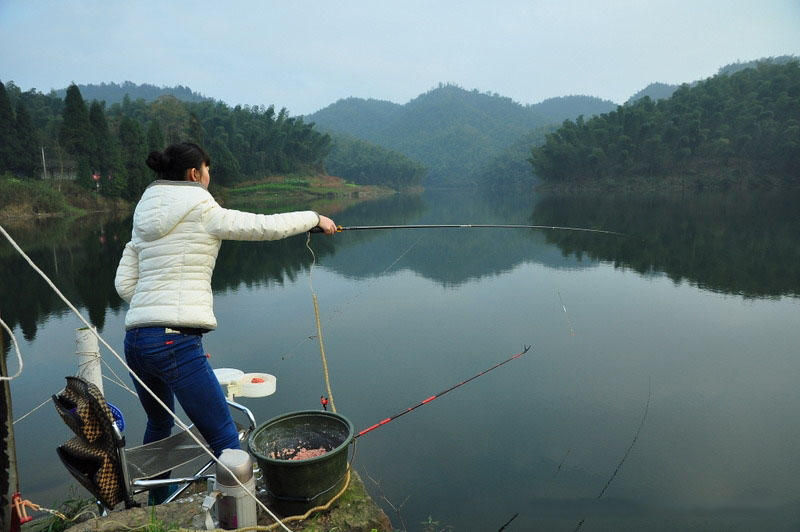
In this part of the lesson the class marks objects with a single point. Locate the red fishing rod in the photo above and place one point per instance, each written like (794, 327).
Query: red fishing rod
(432, 397)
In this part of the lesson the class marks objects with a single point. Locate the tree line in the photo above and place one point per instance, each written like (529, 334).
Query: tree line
(360, 162)
(112, 93)
(746, 123)
(87, 139)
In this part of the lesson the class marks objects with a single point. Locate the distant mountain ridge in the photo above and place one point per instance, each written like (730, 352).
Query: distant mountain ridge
(112, 93)
(661, 91)
(451, 130)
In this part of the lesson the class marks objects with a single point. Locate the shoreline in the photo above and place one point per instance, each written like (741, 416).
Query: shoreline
(668, 184)
(40, 201)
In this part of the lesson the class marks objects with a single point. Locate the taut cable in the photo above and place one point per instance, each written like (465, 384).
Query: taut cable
(100, 339)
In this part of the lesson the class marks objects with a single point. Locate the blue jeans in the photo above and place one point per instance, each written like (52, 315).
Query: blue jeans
(174, 365)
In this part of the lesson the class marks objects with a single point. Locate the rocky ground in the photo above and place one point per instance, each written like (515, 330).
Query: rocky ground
(353, 511)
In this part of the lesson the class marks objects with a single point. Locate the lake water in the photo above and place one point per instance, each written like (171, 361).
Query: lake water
(693, 318)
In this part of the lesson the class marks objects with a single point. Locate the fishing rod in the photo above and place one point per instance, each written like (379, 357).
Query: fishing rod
(340, 228)
(432, 397)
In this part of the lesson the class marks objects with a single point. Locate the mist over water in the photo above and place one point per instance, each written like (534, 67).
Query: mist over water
(697, 305)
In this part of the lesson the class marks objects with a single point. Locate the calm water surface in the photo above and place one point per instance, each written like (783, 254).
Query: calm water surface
(696, 309)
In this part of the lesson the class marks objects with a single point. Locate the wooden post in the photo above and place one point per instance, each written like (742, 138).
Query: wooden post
(88, 354)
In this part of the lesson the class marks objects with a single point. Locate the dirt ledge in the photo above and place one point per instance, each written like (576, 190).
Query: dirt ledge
(354, 511)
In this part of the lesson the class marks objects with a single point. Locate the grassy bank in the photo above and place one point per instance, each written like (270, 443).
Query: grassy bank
(23, 200)
(322, 193)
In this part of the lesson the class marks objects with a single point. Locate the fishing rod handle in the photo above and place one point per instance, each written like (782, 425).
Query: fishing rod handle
(318, 229)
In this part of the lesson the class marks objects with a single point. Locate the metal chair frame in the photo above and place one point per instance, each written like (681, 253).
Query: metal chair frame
(133, 487)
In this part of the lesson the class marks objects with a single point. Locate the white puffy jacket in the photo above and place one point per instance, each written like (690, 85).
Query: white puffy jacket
(165, 270)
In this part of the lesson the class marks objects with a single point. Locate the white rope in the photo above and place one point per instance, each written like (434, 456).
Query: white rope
(120, 384)
(100, 339)
(16, 348)
(119, 380)
(32, 411)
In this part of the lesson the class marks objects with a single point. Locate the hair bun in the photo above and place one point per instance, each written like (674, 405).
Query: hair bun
(158, 161)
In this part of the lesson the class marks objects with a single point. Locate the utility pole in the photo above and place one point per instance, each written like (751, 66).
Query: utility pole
(44, 164)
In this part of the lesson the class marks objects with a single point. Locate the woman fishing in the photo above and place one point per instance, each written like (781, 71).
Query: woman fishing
(165, 276)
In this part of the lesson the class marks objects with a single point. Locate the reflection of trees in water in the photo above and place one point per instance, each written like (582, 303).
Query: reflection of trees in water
(739, 243)
(744, 244)
(450, 256)
(258, 263)
(80, 257)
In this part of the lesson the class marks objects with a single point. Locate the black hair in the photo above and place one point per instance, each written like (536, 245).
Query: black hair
(173, 162)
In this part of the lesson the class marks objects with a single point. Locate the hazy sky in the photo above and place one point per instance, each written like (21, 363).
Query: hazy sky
(305, 55)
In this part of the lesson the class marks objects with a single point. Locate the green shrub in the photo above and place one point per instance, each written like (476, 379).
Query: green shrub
(40, 195)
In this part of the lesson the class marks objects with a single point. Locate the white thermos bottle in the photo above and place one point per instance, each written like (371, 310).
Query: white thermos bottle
(235, 507)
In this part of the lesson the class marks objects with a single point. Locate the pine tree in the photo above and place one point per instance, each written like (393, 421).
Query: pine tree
(100, 138)
(106, 158)
(26, 160)
(195, 132)
(134, 153)
(155, 138)
(76, 135)
(7, 132)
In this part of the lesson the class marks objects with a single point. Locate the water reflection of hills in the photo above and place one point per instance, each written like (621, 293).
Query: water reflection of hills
(447, 256)
(742, 244)
(745, 243)
(79, 256)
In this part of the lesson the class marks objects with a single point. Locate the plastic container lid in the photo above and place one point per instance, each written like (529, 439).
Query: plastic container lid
(257, 385)
(227, 376)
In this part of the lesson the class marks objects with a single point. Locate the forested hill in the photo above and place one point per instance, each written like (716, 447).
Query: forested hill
(82, 140)
(556, 110)
(742, 125)
(452, 131)
(658, 91)
(112, 93)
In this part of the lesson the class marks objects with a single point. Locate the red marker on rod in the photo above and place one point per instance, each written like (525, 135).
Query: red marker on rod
(432, 397)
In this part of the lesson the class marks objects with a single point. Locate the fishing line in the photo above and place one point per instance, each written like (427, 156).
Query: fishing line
(569, 323)
(507, 522)
(627, 451)
(337, 310)
(435, 396)
(562, 462)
